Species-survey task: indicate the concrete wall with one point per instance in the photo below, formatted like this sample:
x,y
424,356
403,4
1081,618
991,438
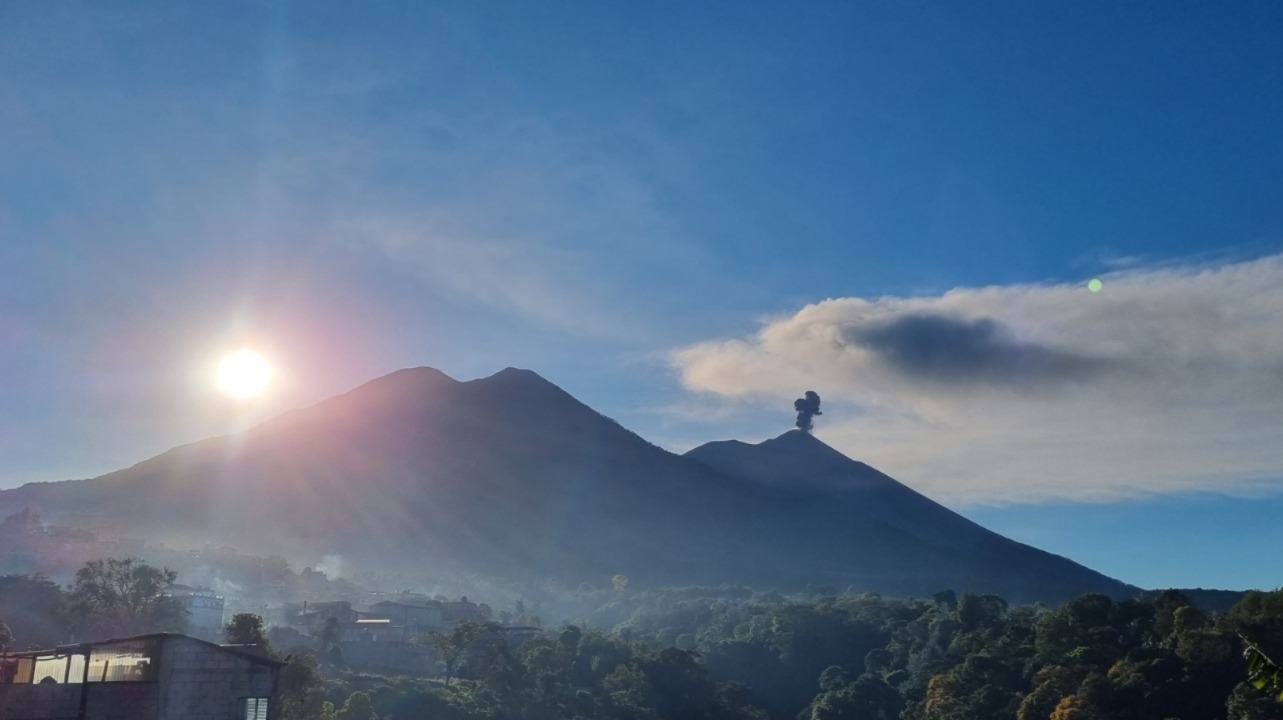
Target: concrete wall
x,y
27,702
201,682
419,616
123,701
106,701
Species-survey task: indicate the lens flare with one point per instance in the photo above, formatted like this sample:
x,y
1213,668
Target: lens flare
x,y
1095,285
244,374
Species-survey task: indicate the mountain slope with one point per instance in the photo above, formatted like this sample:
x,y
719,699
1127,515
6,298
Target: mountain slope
x,y
509,475
973,556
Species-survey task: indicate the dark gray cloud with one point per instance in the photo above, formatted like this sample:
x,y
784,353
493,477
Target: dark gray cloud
x,y
946,349
1168,380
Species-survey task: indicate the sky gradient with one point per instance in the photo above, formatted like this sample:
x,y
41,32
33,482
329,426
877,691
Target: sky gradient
x,y
685,215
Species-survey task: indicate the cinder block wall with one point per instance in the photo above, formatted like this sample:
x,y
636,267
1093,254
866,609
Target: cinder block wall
x,y
106,701
122,700
200,682
28,702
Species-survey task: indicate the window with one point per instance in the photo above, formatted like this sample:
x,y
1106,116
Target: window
x,y
51,669
253,709
121,662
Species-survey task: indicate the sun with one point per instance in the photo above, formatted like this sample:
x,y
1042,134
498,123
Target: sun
x,y
244,374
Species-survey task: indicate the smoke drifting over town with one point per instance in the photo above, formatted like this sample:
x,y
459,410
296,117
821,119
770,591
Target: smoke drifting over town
x,y
807,407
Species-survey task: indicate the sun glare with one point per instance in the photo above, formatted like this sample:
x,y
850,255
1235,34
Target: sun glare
x,y
244,374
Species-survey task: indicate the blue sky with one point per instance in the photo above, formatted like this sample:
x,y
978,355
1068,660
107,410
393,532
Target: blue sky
x,y
685,214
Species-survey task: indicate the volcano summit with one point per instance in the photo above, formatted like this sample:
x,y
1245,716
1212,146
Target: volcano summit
x,y
511,476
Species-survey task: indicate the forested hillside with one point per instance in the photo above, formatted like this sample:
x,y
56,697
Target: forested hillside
x,y
731,652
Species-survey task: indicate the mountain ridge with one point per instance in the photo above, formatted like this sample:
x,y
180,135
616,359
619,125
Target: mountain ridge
x,y
510,475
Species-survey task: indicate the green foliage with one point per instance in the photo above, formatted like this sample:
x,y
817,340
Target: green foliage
x,y
838,657
408,698
468,637
119,598
301,689
1248,703
35,609
1050,685
977,612
866,698
357,707
246,629
1262,672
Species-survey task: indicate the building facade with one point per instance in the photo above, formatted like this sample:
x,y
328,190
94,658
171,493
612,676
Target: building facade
x,y
149,677
204,611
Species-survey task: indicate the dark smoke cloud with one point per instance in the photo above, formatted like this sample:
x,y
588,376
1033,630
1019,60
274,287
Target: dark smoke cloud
x,y
955,350
807,408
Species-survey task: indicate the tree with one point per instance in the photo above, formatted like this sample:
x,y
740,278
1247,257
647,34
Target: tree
x,y
35,608
1259,616
980,611
1050,685
246,629
1247,703
301,689
1081,631
1258,620
6,636
867,698
358,707
980,687
454,646
1262,672
118,598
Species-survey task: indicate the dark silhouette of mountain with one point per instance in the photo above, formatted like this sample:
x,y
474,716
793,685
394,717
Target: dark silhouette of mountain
x,y
929,542
511,476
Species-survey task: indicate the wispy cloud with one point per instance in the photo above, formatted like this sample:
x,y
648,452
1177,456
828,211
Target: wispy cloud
x,y
533,217
1169,379
513,274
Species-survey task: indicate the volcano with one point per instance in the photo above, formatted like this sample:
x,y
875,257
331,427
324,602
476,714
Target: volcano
x,y
510,476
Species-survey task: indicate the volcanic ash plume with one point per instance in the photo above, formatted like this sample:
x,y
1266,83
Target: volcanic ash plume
x,y
807,408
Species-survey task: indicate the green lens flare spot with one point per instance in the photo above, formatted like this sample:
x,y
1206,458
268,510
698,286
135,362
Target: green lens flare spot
x,y
1095,285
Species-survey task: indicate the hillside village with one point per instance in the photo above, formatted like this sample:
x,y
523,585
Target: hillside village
x,y
368,629
512,567
317,648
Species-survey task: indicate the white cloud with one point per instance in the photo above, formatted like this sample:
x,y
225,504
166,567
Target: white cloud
x,y
1167,380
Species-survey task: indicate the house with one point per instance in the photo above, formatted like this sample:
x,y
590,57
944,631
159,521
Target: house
x,y
423,614
418,613
149,677
455,612
313,616
379,644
